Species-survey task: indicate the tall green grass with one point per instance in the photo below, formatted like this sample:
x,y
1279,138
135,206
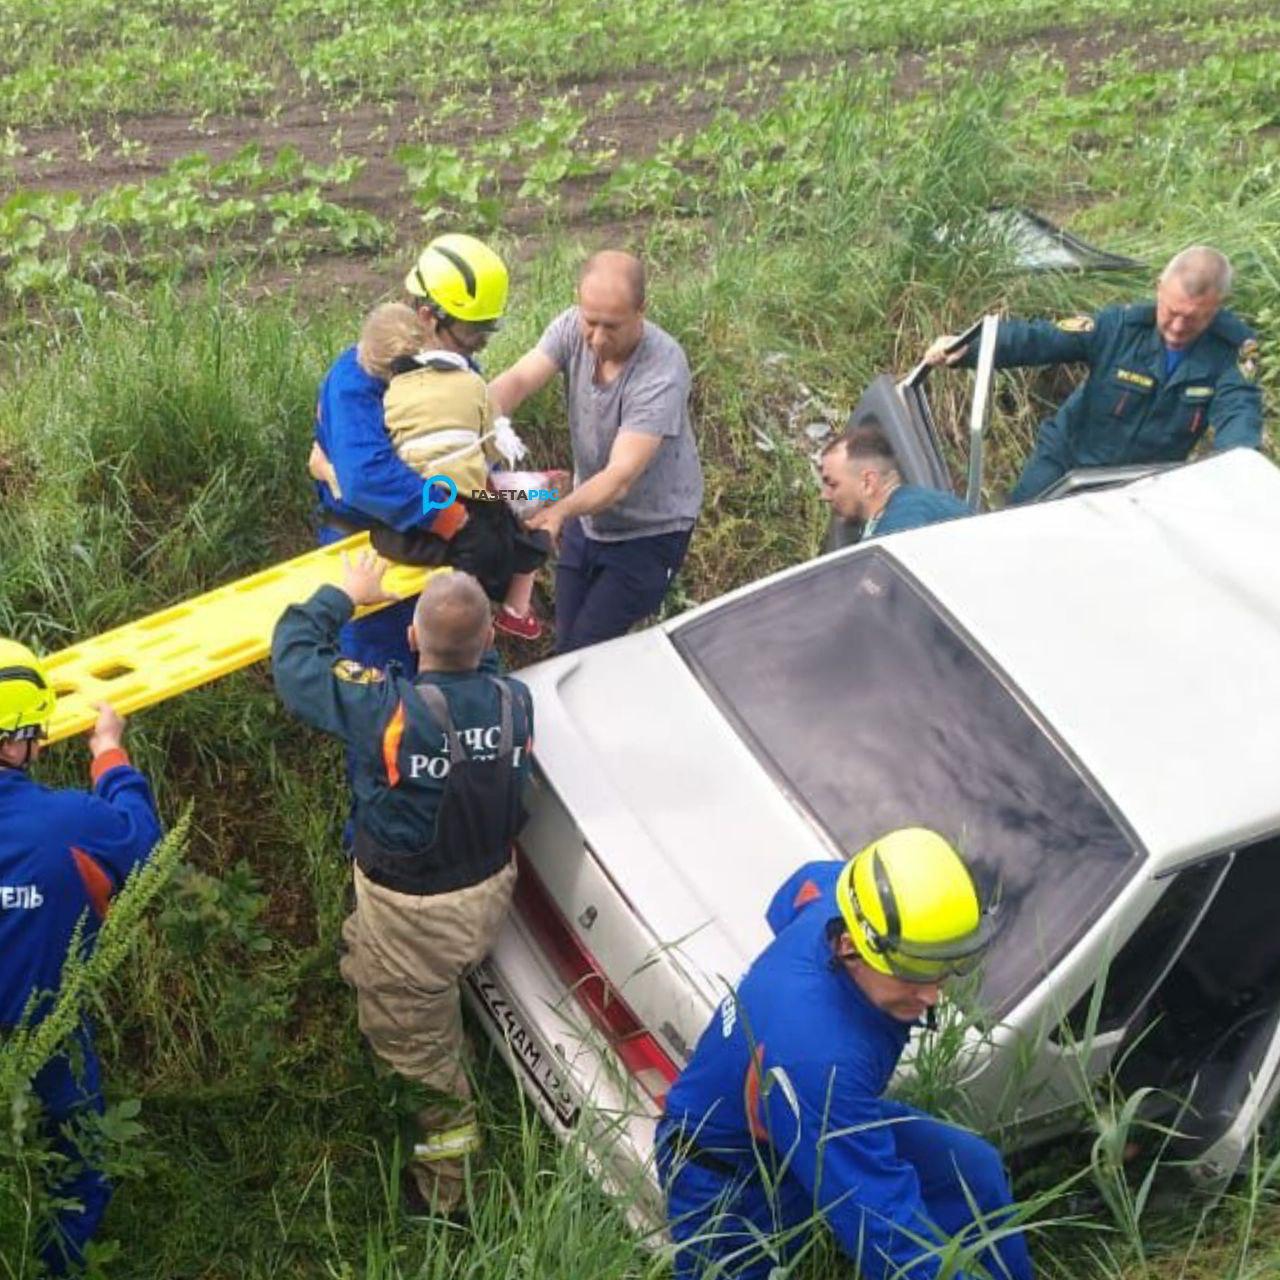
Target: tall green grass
x,y
154,445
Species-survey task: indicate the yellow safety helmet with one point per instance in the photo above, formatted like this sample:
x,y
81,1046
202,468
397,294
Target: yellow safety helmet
x,y
911,907
26,696
462,278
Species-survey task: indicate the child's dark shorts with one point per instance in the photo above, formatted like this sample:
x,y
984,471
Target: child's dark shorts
x,y
492,546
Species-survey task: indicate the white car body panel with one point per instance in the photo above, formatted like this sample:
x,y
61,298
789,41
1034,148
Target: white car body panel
x,y
1124,619
1117,615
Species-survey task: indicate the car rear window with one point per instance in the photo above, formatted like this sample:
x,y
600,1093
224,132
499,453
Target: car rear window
x,y
874,711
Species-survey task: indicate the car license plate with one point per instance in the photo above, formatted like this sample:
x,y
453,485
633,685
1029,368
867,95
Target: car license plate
x,y
534,1061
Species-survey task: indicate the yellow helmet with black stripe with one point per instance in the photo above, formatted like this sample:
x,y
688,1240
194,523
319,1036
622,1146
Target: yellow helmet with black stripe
x,y
911,907
27,698
462,278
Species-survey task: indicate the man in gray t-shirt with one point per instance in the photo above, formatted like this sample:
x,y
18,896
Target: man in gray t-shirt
x,y
624,529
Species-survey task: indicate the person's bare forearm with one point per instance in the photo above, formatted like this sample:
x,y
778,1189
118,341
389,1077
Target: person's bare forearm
x,y
600,492
504,393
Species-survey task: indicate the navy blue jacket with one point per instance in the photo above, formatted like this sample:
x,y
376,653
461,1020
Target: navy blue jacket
x,y
1128,410
352,431
911,506
62,855
798,1058
399,759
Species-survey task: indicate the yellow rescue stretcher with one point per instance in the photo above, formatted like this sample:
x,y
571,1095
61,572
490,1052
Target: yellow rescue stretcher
x,y
199,640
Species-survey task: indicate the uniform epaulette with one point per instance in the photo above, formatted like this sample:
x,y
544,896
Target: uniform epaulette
x,y
1139,313
1230,328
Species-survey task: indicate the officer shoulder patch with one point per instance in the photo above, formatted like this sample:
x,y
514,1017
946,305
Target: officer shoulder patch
x,y
353,673
1247,358
1076,324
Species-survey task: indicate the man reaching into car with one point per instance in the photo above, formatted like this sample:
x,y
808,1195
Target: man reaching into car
x,y
780,1117
861,481
1161,374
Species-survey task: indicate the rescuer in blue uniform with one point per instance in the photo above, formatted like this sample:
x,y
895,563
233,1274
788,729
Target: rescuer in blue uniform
x,y
459,288
780,1113
861,481
1160,375
439,762
62,856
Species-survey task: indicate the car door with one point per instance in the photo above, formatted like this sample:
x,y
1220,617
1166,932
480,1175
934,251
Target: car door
x,y
903,412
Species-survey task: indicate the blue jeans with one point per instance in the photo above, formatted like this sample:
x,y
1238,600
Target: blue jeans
x,y
68,1089
739,1227
603,588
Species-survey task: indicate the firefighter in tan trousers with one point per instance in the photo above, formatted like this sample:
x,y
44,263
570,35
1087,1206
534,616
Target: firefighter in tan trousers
x,y
439,761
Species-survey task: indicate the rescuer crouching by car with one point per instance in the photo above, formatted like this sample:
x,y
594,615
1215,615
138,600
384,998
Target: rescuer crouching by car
x,y
439,763
780,1117
63,854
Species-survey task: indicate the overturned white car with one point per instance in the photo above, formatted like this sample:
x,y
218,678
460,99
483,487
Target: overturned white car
x,y
1082,693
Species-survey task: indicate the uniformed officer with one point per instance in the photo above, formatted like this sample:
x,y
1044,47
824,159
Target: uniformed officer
x,y
62,856
861,481
1160,375
438,763
779,1116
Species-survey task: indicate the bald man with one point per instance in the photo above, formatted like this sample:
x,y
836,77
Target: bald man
x,y
439,765
1161,374
624,529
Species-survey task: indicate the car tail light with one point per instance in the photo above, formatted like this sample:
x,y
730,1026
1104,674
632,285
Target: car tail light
x,y
638,1050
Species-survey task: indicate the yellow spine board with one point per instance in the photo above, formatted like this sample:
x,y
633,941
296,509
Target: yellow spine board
x,y
198,641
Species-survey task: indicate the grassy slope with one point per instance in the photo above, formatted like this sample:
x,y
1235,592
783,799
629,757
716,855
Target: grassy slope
x,y
152,445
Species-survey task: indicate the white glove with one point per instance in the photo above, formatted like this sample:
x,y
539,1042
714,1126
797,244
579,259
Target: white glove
x,y
507,443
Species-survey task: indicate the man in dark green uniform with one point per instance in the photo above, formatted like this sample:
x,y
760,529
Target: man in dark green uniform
x,y
1160,375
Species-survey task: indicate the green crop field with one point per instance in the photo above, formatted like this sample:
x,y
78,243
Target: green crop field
x,y
198,201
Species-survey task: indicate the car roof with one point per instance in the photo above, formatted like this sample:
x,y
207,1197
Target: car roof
x,y
1143,624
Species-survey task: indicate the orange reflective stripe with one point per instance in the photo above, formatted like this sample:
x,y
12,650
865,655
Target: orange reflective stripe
x,y
391,736
755,1113
97,884
808,892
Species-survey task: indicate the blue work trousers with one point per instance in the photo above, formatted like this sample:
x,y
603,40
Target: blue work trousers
x,y
68,1086
604,588
740,1228
1050,460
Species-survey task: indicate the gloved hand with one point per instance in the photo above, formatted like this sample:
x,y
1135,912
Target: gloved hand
x,y
507,442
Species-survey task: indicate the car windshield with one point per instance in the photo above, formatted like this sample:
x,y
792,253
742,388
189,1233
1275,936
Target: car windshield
x,y
874,712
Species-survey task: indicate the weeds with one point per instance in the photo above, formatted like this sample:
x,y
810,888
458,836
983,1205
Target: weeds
x,y
153,438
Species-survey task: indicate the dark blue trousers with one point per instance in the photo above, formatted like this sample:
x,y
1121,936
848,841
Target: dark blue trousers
x,y
68,1086
604,588
743,1228
1050,460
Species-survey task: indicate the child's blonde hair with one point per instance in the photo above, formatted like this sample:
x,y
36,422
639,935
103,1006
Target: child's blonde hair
x,y
390,331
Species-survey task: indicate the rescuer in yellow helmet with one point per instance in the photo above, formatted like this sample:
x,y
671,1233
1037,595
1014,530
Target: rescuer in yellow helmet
x,y
790,1077
458,288
62,855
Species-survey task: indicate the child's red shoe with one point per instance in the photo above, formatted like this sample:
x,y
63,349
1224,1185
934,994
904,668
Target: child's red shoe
x,y
522,626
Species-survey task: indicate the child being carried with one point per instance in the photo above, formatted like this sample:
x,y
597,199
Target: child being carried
x,y
442,423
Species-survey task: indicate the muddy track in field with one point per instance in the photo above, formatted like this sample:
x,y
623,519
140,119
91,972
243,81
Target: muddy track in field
x,y
630,115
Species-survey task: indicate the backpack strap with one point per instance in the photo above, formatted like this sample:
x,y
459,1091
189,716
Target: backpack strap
x,y
438,705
